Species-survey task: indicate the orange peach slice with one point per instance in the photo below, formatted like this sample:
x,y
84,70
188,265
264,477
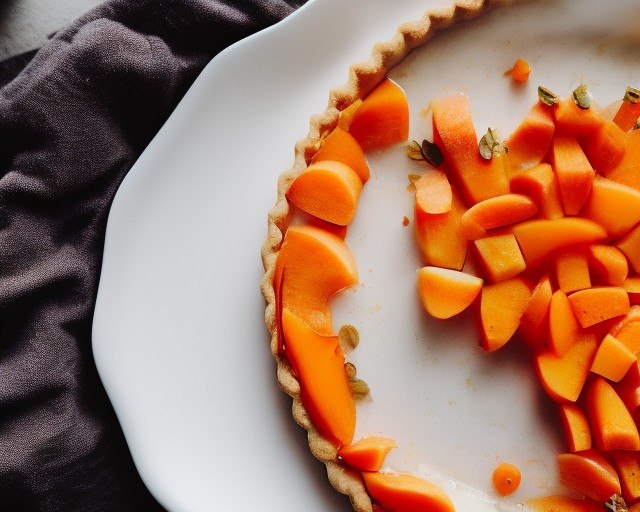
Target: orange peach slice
x,y
564,329
575,426
444,292
433,192
368,453
383,117
590,474
439,236
501,308
539,238
627,171
563,377
454,133
599,303
572,269
500,257
630,247
318,363
328,190
541,185
406,493
612,426
608,264
341,146
574,173
628,466
529,142
534,321
614,206
312,266
613,359
496,212
573,121
605,147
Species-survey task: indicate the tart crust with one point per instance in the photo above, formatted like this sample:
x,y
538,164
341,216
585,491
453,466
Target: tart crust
x,y
363,77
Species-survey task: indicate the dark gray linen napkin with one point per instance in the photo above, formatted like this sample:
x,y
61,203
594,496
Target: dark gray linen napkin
x,y
72,123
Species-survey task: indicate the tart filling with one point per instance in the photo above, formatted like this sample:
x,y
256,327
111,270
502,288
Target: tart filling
x,y
307,261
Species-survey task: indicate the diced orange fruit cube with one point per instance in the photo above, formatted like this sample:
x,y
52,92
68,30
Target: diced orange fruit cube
x,y
564,329
613,359
500,257
573,121
341,146
572,269
433,192
608,264
630,247
605,147
501,308
535,319
627,171
628,466
496,212
541,185
529,142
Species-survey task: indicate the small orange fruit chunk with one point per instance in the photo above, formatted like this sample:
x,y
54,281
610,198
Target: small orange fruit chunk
x,y
575,426
589,473
614,206
433,192
574,173
496,212
599,303
340,145
368,453
318,363
520,71
529,142
406,493
445,292
506,478
613,359
383,117
328,190
541,185
500,257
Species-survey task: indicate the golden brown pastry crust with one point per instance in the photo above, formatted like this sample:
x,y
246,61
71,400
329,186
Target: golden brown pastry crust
x,y
363,77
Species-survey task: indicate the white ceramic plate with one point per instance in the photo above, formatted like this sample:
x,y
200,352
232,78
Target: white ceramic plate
x,y
178,336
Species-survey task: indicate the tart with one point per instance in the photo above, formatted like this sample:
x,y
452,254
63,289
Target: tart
x,y
312,252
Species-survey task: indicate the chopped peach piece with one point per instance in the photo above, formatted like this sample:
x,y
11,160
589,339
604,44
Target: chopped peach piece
x,y
572,269
573,121
541,185
627,171
312,265
628,390
439,237
539,238
599,303
500,257
368,453
608,264
406,493
605,147
433,192
574,173
445,292
632,285
529,142
575,426
614,206
563,504
501,308
589,473
383,117
506,478
318,363
630,247
340,145
328,190
534,321
612,426
613,359
628,466
627,115
563,377
454,133
564,329
496,212
629,335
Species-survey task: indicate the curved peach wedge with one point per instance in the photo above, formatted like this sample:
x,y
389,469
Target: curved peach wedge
x,y
313,264
496,212
318,363
406,493
368,453
589,473
342,147
541,237
383,117
433,192
328,190
444,292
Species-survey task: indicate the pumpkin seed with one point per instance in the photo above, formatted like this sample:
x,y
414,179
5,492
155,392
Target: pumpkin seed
x,y
547,97
582,97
